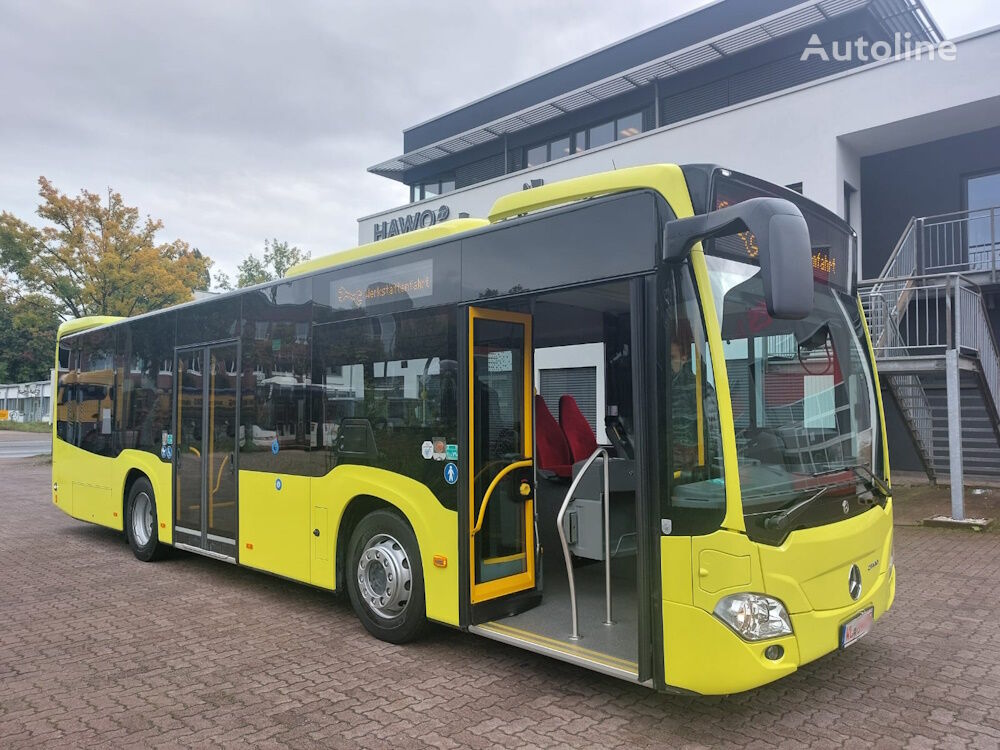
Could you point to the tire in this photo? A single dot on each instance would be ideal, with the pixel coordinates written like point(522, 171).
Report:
point(140, 522)
point(385, 579)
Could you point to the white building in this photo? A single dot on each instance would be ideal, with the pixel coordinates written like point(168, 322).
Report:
point(905, 125)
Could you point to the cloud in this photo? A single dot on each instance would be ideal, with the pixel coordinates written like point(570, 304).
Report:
point(236, 121)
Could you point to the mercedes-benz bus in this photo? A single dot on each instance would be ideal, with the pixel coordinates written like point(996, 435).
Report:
point(629, 420)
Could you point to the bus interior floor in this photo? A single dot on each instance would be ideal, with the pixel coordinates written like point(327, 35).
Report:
point(552, 619)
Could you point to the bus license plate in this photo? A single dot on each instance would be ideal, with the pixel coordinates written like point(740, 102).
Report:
point(857, 627)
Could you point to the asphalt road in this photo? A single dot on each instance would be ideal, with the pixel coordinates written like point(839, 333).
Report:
point(100, 650)
point(24, 444)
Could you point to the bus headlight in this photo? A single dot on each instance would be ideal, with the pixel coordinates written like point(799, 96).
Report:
point(754, 617)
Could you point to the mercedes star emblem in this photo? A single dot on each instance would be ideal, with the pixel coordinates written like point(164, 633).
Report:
point(854, 582)
point(846, 506)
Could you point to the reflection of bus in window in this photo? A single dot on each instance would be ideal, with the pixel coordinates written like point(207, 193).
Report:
point(671, 382)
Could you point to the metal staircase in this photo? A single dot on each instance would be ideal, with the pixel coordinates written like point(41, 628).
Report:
point(937, 354)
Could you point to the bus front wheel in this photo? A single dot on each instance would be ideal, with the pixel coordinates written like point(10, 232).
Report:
point(140, 522)
point(385, 578)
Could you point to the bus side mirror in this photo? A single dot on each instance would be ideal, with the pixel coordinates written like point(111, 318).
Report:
point(784, 251)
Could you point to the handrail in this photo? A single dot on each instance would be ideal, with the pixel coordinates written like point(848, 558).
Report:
point(899, 244)
point(607, 541)
point(524, 464)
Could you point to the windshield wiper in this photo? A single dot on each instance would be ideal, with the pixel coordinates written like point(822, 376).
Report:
point(778, 520)
point(869, 479)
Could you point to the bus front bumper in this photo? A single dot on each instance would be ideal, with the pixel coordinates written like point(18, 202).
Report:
point(722, 663)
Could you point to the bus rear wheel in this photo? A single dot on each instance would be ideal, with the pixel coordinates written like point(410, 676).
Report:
point(140, 522)
point(385, 578)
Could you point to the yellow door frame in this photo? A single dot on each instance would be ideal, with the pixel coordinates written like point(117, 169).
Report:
point(480, 592)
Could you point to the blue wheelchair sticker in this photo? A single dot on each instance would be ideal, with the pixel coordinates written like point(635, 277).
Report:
point(277, 483)
point(274, 447)
point(450, 473)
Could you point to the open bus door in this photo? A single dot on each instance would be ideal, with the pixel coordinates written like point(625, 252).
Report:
point(501, 486)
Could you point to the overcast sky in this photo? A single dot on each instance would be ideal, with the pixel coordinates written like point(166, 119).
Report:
point(236, 121)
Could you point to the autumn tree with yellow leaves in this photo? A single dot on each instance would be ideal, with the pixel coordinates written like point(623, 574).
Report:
point(97, 256)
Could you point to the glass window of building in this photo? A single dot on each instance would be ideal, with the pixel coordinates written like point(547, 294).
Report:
point(447, 185)
point(601, 134)
point(560, 148)
point(629, 125)
point(579, 141)
point(982, 191)
point(431, 189)
point(537, 155)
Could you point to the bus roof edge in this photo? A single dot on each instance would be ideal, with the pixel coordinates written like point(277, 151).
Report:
point(398, 242)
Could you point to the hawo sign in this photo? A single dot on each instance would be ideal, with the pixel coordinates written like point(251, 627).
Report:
point(417, 220)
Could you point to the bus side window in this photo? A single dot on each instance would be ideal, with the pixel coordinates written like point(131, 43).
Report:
point(695, 496)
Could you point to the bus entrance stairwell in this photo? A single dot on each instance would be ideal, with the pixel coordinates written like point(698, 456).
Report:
point(585, 484)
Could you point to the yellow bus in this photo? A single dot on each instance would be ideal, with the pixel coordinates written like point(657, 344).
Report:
point(630, 421)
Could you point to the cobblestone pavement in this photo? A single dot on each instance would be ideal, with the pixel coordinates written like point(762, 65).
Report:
point(98, 649)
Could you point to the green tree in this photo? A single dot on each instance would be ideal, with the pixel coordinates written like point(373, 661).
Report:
point(27, 336)
point(278, 258)
point(97, 256)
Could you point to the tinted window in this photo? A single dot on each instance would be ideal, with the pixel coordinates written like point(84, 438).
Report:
point(384, 386)
point(213, 320)
point(147, 382)
point(66, 393)
point(276, 433)
point(629, 125)
point(95, 392)
point(601, 134)
point(559, 149)
point(695, 500)
point(599, 239)
point(537, 155)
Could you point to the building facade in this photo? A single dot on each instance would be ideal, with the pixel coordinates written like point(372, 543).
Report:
point(27, 402)
point(859, 104)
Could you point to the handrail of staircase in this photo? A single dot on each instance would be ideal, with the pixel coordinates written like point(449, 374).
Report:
point(983, 338)
point(907, 231)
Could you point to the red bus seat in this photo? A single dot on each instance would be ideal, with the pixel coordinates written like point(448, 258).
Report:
point(579, 434)
point(552, 450)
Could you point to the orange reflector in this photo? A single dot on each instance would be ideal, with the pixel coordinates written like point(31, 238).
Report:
point(440, 561)
point(163, 525)
point(249, 545)
point(115, 513)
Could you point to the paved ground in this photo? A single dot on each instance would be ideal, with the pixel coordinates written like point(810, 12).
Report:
point(97, 649)
point(24, 444)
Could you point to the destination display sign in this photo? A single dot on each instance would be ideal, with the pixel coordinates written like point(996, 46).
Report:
point(831, 244)
point(405, 282)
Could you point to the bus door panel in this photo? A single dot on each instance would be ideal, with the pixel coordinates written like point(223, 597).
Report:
point(205, 447)
point(501, 471)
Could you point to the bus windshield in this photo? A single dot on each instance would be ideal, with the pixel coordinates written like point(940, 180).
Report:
point(804, 406)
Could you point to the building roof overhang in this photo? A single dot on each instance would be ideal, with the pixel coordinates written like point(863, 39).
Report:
point(897, 16)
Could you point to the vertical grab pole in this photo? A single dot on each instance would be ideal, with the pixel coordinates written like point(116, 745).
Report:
point(570, 577)
point(607, 541)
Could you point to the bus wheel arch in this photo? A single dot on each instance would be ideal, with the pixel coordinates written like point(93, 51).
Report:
point(131, 477)
point(376, 542)
point(139, 518)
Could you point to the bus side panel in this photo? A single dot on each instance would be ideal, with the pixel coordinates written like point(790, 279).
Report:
point(92, 487)
point(435, 527)
point(274, 530)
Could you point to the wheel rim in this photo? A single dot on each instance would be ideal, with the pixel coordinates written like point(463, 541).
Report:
point(142, 519)
point(384, 576)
